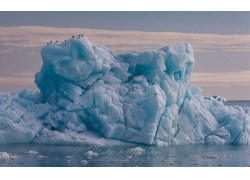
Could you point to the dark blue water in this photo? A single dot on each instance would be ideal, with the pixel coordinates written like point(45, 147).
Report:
point(30, 155)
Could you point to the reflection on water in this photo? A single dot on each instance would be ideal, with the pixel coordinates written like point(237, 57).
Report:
point(29, 155)
point(123, 156)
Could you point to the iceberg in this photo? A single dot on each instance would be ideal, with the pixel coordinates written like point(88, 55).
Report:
point(218, 98)
point(88, 95)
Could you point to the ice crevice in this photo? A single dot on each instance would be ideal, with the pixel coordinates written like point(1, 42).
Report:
point(88, 95)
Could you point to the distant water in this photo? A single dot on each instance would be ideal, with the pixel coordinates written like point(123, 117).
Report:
point(242, 103)
point(30, 155)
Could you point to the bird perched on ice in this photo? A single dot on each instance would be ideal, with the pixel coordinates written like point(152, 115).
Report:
point(50, 42)
point(65, 40)
point(73, 36)
point(47, 43)
point(155, 95)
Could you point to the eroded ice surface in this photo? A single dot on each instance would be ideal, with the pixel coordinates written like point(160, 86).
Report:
point(91, 96)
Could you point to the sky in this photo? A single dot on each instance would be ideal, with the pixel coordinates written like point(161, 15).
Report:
point(220, 39)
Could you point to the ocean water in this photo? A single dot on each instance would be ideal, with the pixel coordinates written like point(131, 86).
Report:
point(242, 103)
point(31, 155)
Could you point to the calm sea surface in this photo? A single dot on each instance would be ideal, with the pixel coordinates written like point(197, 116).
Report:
point(242, 103)
point(30, 155)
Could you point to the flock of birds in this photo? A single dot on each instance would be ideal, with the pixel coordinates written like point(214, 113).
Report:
point(80, 35)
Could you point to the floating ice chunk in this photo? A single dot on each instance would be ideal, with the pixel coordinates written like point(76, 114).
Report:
point(4, 156)
point(13, 157)
point(194, 156)
point(90, 154)
point(124, 160)
point(69, 157)
point(30, 152)
point(84, 162)
point(211, 157)
point(41, 157)
point(137, 150)
point(225, 156)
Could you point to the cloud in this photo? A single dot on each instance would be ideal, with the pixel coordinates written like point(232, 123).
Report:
point(122, 41)
point(237, 78)
point(6, 50)
point(17, 80)
point(16, 73)
point(17, 77)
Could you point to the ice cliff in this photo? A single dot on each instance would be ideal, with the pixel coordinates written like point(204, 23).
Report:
point(89, 95)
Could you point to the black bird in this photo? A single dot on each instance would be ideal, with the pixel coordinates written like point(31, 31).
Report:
point(82, 35)
point(73, 36)
point(50, 41)
point(47, 43)
point(56, 41)
point(65, 40)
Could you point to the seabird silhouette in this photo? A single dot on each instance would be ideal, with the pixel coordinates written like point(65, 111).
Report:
point(50, 41)
point(73, 36)
point(154, 95)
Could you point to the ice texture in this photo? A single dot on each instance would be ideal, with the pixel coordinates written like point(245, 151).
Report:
point(91, 96)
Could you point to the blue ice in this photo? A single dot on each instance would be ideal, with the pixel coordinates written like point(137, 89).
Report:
point(91, 96)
